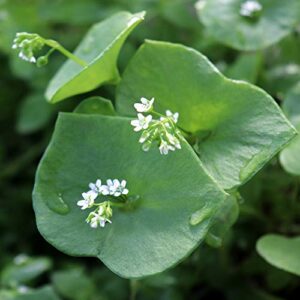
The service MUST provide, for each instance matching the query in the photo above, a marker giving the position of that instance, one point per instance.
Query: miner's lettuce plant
(148, 208)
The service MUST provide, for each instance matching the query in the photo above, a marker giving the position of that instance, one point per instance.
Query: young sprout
(163, 131)
(103, 212)
(30, 45)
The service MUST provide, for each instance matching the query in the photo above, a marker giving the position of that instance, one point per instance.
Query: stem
(64, 51)
(133, 289)
(160, 115)
(157, 114)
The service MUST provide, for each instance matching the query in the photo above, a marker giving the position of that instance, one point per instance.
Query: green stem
(64, 51)
(133, 289)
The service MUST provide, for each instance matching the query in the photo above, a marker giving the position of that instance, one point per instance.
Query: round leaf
(150, 237)
(99, 49)
(96, 105)
(238, 126)
(281, 252)
(225, 23)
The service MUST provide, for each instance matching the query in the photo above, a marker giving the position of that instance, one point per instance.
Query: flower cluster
(163, 130)
(28, 44)
(103, 213)
(250, 8)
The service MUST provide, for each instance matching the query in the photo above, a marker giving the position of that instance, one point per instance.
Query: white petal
(144, 100)
(102, 222)
(81, 202)
(139, 107)
(92, 186)
(125, 192)
(123, 183)
(141, 117)
(135, 122)
(138, 128)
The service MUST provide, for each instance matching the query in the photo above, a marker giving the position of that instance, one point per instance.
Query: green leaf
(34, 114)
(73, 284)
(289, 157)
(44, 293)
(226, 217)
(96, 105)
(291, 104)
(155, 233)
(238, 126)
(281, 252)
(225, 23)
(99, 48)
(24, 272)
(246, 67)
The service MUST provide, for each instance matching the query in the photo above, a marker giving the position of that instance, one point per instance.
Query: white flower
(165, 147)
(145, 106)
(96, 187)
(172, 116)
(88, 199)
(142, 122)
(120, 188)
(115, 188)
(248, 8)
(98, 218)
(173, 140)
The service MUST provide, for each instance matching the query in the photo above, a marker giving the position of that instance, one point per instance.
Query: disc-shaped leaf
(96, 105)
(156, 233)
(99, 49)
(225, 22)
(238, 126)
(281, 252)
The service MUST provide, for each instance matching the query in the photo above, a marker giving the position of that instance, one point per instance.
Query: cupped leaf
(99, 49)
(155, 233)
(281, 252)
(96, 105)
(224, 21)
(237, 125)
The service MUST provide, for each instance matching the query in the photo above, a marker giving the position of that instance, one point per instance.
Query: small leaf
(290, 155)
(99, 48)
(243, 128)
(146, 239)
(73, 284)
(34, 114)
(246, 67)
(26, 271)
(43, 293)
(96, 105)
(225, 23)
(281, 252)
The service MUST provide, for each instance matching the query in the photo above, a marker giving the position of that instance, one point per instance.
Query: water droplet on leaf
(58, 205)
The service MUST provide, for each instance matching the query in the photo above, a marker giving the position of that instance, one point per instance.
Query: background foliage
(269, 203)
